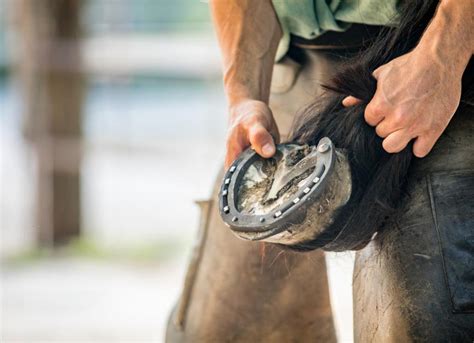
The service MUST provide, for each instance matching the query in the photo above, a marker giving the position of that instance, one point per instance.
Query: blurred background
(112, 123)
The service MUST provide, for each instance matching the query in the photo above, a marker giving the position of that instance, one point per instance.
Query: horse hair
(378, 177)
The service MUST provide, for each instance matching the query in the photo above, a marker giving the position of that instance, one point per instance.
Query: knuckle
(399, 118)
(254, 121)
(381, 104)
(244, 124)
(369, 109)
(372, 112)
(415, 129)
(255, 129)
(368, 114)
(258, 134)
(378, 105)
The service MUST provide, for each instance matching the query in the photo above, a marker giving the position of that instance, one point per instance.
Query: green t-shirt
(310, 18)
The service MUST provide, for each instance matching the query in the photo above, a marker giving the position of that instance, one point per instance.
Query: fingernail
(268, 149)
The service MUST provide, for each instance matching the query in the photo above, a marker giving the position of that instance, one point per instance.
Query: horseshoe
(320, 160)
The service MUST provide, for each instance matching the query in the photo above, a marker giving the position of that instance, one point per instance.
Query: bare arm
(419, 92)
(248, 32)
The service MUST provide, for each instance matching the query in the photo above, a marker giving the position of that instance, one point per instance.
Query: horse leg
(244, 291)
(414, 282)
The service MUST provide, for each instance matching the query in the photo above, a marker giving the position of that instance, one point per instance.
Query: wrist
(246, 87)
(447, 40)
(236, 108)
(451, 63)
(251, 111)
(238, 100)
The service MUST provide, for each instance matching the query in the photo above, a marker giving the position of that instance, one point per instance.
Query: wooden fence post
(53, 90)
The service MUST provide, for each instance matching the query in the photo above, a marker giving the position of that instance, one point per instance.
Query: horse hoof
(288, 199)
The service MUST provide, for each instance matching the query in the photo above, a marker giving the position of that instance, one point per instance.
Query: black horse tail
(377, 176)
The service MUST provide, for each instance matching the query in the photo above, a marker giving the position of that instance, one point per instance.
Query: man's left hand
(416, 97)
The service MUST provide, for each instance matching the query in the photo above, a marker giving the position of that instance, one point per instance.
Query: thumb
(376, 72)
(262, 141)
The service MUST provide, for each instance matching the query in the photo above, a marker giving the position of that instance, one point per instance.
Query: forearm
(248, 32)
(449, 38)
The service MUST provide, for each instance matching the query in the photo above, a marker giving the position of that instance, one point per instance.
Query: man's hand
(418, 93)
(251, 124)
(248, 49)
(416, 98)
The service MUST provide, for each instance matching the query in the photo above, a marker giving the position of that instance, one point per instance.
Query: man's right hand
(248, 49)
(251, 124)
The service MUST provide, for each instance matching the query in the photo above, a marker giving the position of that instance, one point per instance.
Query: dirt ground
(84, 300)
(79, 300)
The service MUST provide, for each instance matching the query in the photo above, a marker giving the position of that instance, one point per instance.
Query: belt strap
(356, 36)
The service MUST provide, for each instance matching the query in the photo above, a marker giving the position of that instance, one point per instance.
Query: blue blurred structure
(154, 105)
(154, 123)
